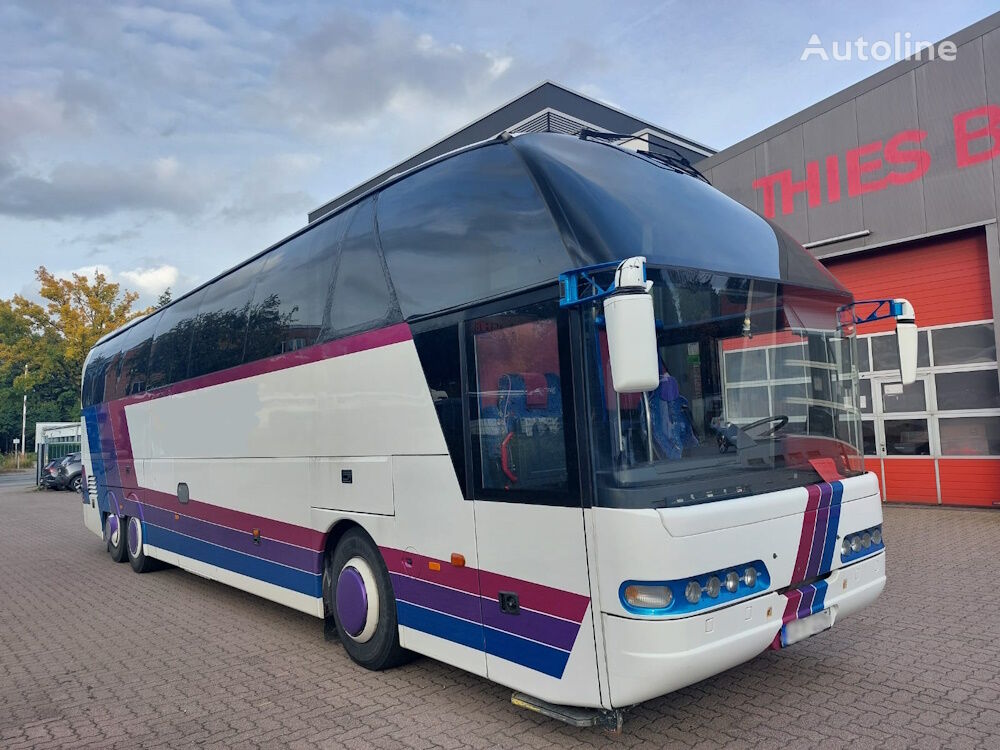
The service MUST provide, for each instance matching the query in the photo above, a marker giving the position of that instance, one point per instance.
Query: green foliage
(43, 347)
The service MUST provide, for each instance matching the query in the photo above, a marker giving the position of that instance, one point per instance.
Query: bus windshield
(758, 393)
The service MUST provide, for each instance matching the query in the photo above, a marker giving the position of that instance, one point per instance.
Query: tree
(165, 298)
(53, 340)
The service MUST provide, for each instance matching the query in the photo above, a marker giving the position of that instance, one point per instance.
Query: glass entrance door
(902, 436)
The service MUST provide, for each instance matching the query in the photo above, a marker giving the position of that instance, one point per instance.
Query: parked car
(50, 474)
(69, 473)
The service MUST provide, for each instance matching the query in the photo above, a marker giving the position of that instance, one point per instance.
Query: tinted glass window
(220, 327)
(970, 436)
(979, 389)
(897, 397)
(93, 380)
(291, 302)
(468, 228)
(135, 358)
(885, 352)
(964, 345)
(863, 364)
(516, 403)
(168, 356)
(865, 396)
(907, 437)
(621, 204)
(361, 294)
(746, 365)
(868, 437)
(440, 358)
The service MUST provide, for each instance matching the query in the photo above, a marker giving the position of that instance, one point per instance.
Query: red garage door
(938, 440)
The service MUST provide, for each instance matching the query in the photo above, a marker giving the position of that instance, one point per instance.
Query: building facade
(894, 184)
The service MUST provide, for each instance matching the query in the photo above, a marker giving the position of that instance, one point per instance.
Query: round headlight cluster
(714, 586)
(861, 542)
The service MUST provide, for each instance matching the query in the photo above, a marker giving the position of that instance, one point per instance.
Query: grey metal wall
(911, 95)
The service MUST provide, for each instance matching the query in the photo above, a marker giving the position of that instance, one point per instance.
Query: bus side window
(518, 435)
(361, 296)
(440, 359)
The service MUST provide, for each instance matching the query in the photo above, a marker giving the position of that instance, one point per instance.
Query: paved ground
(93, 655)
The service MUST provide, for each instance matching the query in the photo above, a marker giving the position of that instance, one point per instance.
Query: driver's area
(757, 392)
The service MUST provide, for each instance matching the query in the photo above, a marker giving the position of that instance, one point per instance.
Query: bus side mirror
(906, 341)
(631, 328)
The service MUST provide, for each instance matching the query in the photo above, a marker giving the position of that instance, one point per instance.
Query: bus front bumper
(651, 657)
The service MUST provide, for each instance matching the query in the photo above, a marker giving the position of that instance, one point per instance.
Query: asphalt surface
(93, 655)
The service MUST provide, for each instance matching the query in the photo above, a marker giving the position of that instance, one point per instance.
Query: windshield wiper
(666, 155)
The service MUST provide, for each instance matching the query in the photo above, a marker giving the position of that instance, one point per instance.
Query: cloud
(86, 190)
(351, 70)
(150, 281)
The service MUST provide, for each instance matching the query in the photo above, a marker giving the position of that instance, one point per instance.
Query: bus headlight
(693, 592)
(732, 581)
(877, 535)
(750, 577)
(855, 543)
(648, 597)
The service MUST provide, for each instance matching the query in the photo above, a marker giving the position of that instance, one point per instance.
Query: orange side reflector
(457, 560)
(433, 565)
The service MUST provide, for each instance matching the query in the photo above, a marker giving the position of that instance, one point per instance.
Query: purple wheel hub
(352, 601)
(111, 527)
(134, 536)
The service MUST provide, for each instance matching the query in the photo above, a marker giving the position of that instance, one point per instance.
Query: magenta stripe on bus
(360, 342)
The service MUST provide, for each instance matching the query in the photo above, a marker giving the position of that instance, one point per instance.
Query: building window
(964, 345)
(885, 354)
(907, 437)
(973, 389)
(970, 436)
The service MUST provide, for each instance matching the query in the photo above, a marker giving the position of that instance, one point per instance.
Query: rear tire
(76, 484)
(114, 535)
(136, 556)
(361, 598)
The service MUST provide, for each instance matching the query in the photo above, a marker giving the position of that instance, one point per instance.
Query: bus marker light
(433, 565)
(713, 587)
(693, 592)
(457, 560)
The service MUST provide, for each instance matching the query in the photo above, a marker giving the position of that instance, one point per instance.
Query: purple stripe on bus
(819, 534)
(240, 541)
(528, 624)
(806, 602)
(551, 631)
(440, 598)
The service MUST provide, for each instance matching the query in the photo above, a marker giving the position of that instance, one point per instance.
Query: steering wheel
(781, 420)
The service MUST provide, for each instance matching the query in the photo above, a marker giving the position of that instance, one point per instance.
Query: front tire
(114, 535)
(363, 603)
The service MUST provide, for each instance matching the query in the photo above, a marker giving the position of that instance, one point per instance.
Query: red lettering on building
(875, 166)
(858, 165)
(964, 137)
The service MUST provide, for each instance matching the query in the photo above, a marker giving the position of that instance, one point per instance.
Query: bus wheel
(114, 534)
(365, 608)
(136, 557)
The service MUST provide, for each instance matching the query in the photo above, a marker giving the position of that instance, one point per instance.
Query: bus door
(534, 582)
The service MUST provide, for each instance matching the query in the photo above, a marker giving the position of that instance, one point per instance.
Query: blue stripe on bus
(96, 459)
(832, 527)
(254, 567)
(438, 624)
(530, 654)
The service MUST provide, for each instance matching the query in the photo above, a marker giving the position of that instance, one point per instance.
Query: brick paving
(93, 655)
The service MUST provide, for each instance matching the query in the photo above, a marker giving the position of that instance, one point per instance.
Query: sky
(162, 143)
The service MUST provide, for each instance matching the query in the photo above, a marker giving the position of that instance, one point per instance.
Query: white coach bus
(549, 410)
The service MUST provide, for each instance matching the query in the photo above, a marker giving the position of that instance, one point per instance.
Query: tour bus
(548, 409)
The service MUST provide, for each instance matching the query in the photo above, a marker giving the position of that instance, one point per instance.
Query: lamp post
(24, 415)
